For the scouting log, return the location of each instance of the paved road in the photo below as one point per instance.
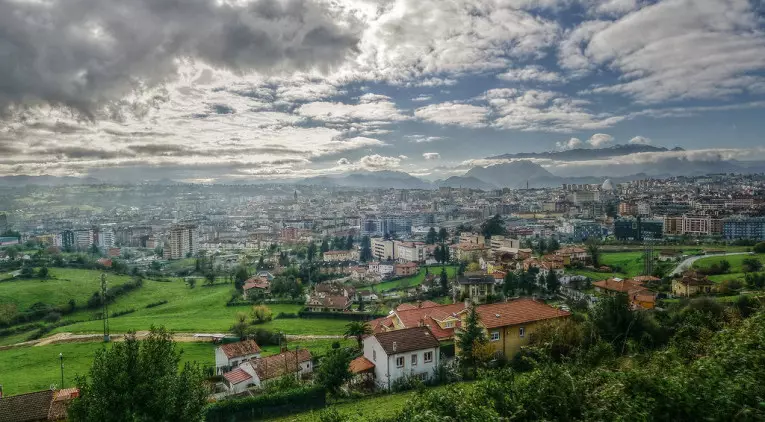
(687, 262)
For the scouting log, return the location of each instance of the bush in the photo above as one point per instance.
(155, 304)
(120, 313)
(53, 317)
(266, 405)
(759, 248)
(406, 383)
(285, 315)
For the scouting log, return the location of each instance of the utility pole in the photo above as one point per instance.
(105, 308)
(61, 359)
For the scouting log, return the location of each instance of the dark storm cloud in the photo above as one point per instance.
(84, 53)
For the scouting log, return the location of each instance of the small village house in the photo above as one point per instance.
(477, 286)
(231, 355)
(259, 372)
(691, 284)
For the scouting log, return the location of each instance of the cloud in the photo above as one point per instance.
(431, 156)
(422, 138)
(533, 74)
(453, 114)
(570, 144)
(674, 50)
(640, 140)
(371, 98)
(82, 54)
(343, 162)
(599, 140)
(379, 162)
(421, 98)
(380, 111)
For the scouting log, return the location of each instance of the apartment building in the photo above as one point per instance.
(498, 242)
(744, 228)
(408, 251)
(182, 241)
(382, 249)
(83, 239)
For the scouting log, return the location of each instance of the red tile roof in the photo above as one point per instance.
(236, 376)
(277, 365)
(619, 285)
(644, 278)
(30, 407)
(516, 312)
(242, 348)
(360, 364)
(256, 283)
(407, 340)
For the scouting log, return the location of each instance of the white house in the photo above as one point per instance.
(395, 354)
(259, 372)
(231, 355)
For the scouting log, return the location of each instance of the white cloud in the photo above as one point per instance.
(531, 73)
(675, 49)
(431, 156)
(599, 140)
(453, 114)
(371, 98)
(381, 111)
(570, 144)
(421, 97)
(343, 162)
(422, 138)
(379, 162)
(640, 140)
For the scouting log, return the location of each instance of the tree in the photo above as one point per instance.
(93, 250)
(366, 249)
(357, 329)
(210, 278)
(470, 340)
(551, 282)
(311, 251)
(261, 263)
(759, 248)
(751, 265)
(444, 279)
(12, 252)
(553, 245)
(442, 234)
(361, 303)
(593, 248)
(541, 246)
(334, 371)
(724, 266)
(42, 272)
(510, 286)
(349, 242)
(240, 276)
(324, 246)
(431, 237)
(473, 266)
(140, 381)
(493, 226)
(262, 313)
(192, 282)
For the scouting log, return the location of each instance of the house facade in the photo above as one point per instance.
(691, 284)
(400, 353)
(259, 372)
(231, 355)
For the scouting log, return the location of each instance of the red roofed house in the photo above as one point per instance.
(509, 324)
(639, 295)
(257, 286)
(231, 355)
(46, 405)
(405, 269)
(260, 371)
(395, 354)
(106, 262)
(326, 303)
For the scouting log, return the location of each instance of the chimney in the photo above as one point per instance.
(394, 346)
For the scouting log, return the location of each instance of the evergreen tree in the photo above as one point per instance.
(469, 340)
(324, 246)
(553, 245)
(510, 286)
(493, 226)
(541, 246)
(442, 235)
(349, 243)
(311, 251)
(437, 254)
(366, 249)
(444, 279)
(551, 282)
(431, 237)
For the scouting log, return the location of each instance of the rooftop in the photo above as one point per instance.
(241, 348)
(407, 340)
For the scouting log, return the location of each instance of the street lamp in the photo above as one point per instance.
(61, 359)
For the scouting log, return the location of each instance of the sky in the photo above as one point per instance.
(217, 90)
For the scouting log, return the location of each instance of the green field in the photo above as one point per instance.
(385, 405)
(631, 263)
(736, 266)
(26, 369)
(64, 284)
(414, 280)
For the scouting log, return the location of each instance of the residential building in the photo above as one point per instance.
(477, 286)
(231, 355)
(693, 225)
(396, 354)
(182, 241)
(498, 242)
(441, 319)
(340, 256)
(409, 251)
(38, 406)
(382, 249)
(744, 228)
(83, 239)
(105, 238)
(638, 294)
(405, 269)
(692, 283)
(327, 303)
(669, 255)
(256, 287)
(260, 371)
(382, 268)
(628, 209)
(66, 240)
(472, 238)
(467, 251)
(509, 324)
(638, 229)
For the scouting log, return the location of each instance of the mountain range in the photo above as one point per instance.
(519, 171)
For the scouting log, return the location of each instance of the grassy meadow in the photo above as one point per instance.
(414, 280)
(736, 271)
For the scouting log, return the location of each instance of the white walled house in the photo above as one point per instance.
(231, 355)
(395, 354)
(259, 372)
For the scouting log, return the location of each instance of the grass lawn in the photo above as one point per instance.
(414, 280)
(736, 261)
(318, 347)
(631, 263)
(594, 276)
(385, 405)
(28, 369)
(64, 284)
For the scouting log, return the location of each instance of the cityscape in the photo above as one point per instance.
(382, 210)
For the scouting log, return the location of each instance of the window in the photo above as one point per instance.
(421, 376)
(414, 360)
(449, 324)
(495, 336)
(521, 332)
(400, 362)
(428, 357)
(374, 355)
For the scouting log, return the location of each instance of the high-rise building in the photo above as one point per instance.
(106, 238)
(744, 228)
(83, 239)
(182, 241)
(638, 229)
(382, 249)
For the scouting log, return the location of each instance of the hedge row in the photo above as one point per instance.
(267, 405)
(350, 316)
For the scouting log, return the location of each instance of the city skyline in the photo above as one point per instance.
(291, 90)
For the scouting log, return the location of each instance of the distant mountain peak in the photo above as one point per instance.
(585, 153)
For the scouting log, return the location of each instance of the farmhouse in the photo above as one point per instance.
(231, 355)
(260, 371)
(692, 283)
(47, 405)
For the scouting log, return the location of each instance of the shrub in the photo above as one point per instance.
(155, 304)
(266, 405)
(123, 312)
(53, 317)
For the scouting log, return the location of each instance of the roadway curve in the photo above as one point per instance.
(687, 262)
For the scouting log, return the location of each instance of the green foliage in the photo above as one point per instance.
(493, 226)
(333, 371)
(469, 341)
(442, 234)
(444, 281)
(431, 237)
(266, 405)
(366, 249)
(593, 249)
(759, 248)
(750, 265)
(140, 381)
(510, 285)
(357, 330)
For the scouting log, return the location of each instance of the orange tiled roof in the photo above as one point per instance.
(361, 364)
(516, 312)
(236, 376)
(619, 285)
(277, 365)
(241, 348)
